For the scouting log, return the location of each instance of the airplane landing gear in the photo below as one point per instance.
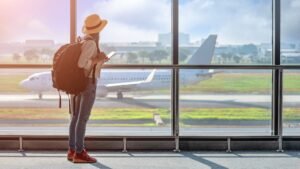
(120, 95)
(40, 96)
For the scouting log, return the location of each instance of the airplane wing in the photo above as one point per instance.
(131, 84)
(209, 73)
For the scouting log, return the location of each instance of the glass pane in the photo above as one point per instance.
(243, 29)
(225, 102)
(291, 102)
(29, 104)
(290, 32)
(32, 30)
(138, 31)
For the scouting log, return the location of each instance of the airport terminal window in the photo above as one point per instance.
(135, 32)
(225, 102)
(144, 109)
(291, 102)
(30, 34)
(290, 32)
(31, 107)
(212, 102)
(243, 29)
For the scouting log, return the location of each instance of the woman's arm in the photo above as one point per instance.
(100, 59)
(88, 49)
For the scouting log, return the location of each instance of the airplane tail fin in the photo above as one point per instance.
(205, 53)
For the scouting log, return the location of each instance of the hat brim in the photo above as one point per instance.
(96, 30)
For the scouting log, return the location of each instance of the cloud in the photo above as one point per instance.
(133, 20)
(30, 19)
(38, 27)
(234, 21)
(290, 25)
(142, 14)
(34, 29)
(119, 32)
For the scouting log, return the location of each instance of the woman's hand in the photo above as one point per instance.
(101, 58)
(96, 60)
(104, 56)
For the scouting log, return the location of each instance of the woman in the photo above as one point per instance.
(91, 59)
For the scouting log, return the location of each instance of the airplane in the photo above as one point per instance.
(121, 81)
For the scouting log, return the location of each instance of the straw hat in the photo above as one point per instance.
(93, 24)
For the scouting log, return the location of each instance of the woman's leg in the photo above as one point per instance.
(85, 108)
(74, 118)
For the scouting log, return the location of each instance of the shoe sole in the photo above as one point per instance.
(82, 161)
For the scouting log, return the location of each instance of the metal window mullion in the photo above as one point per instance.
(175, 71)
(73, 18)
(277, 76)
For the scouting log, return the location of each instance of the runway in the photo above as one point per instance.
(149, 131)
(147, 101)
(151, 101)
(134, 131)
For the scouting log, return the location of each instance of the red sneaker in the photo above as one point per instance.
(83, 157)
(71, 154)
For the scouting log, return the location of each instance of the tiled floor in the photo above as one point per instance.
(154, 160)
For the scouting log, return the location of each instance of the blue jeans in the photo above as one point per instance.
(80, 116)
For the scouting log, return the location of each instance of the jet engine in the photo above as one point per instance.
(102, 91)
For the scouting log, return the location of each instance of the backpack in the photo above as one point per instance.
(66, 75)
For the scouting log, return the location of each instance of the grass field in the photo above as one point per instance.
(8, 60)
(219, 83)
(10, 84)
(115, 114)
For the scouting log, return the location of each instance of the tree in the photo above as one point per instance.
(132, 58)
(158, 55)
(237, 59)
(47, 51)
(249, 49)
(16, 57)
(143, 54)
(226, 57)
(31, 55)
(46, 54)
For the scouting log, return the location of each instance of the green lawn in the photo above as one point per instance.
(10, 84)
(147, 114)
(244, 84)
(233, 83)
(237, 114)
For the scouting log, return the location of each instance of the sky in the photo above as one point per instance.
(234, 21)
(34, 19)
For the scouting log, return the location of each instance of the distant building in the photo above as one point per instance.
(166, 39)
(290, 56)
(133, 46)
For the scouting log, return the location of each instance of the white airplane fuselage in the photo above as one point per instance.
(42, 82)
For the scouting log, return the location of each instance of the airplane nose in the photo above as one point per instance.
(24, 84)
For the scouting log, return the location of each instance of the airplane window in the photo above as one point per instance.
(32, 78)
